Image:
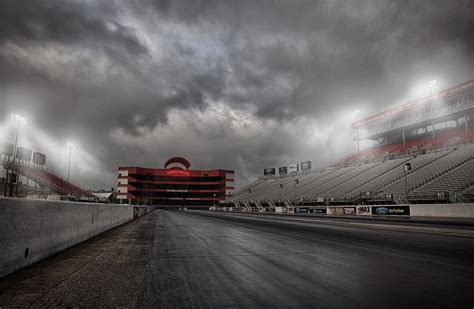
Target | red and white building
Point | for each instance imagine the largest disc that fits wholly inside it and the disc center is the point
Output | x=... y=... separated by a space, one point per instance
x=441 y=119
x=175 y=184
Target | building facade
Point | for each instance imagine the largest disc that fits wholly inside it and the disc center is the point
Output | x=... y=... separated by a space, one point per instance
x=440 y=119
x=175 y=184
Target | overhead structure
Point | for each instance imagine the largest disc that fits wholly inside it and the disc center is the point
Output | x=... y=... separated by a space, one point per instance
x=442 y=118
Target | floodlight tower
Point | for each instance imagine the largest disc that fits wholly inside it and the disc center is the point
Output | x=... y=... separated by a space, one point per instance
x=71 y=147
x=19 y=120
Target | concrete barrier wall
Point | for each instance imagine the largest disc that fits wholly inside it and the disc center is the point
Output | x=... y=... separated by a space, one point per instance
x=405 y=210
x=442 y=210
x=31 y=230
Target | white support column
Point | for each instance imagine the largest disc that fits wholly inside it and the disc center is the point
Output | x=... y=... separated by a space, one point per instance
x=465 y=124
x=403 y=137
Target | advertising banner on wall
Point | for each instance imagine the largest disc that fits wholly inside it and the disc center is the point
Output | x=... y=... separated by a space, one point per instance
x=6 y=148
x=39 y=158
x=335 y=210
x=301 y=210
x=283 y=170
x=292 y=168
x=363 y=211
x=23 y=153
x=319 y=210
x=341 y=210
x=350 y=211
x=269 y=171
x=306 y=165
x=391 y=210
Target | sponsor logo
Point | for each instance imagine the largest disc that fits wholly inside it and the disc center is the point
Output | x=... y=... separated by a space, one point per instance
x=381 y=211
x=391 y=210
x=363 y=210
x=293 y=168
x=349 y=211
x=269 y=171
x=177 y=173
x=306 y=165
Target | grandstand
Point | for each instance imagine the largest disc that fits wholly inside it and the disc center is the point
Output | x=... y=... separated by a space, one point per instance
x=46 y=179
x=433 y=136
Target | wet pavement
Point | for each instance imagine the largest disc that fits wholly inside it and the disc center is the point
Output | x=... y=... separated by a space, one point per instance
x=174 y=259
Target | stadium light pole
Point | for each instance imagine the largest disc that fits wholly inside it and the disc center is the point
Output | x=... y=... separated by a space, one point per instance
x=19 y=120
x=71 y=147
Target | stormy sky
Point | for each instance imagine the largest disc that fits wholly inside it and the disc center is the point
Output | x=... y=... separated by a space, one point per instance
x=228 y=84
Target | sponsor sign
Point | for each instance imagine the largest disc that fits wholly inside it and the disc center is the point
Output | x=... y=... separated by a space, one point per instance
x=6 y=148
x=335 y=210
x=23 y=153
x=350 y=211
x=283 y=170
x=301 y=210
x=269 y=171
x=363 y=211
x=391 y=210
x=176 y=172
x=39 y=158
x=292 y=168
x=321 y=210
x=306 y=165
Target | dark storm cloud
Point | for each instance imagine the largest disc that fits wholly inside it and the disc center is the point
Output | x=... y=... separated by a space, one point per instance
x=72 y=23
x=232 y=84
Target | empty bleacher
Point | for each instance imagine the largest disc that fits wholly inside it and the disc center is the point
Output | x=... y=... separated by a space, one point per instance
x=443 y=170
x=431 y=170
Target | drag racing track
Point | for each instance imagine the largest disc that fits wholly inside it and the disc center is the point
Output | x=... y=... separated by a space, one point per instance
x=183 y=259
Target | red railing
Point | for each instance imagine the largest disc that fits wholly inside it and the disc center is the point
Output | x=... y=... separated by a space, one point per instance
x=49 y=179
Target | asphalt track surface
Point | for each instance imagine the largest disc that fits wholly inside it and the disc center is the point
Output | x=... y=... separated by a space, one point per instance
x=173 y=259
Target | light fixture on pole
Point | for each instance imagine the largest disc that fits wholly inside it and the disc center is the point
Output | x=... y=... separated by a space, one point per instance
x=430 y=85
x=71 y=147
x=19 y=120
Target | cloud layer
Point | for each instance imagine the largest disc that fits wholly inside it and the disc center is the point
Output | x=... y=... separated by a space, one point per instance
x=239 y=85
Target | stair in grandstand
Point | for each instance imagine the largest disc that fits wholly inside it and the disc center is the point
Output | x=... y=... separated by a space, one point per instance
x=466 y=195
x=314 y=180
x=49 y=180
x=455 y=180
x=245 y=189
x=291 y=190
x=362 y=182
x=323 y=190
x=430 y=171
x=374 y=189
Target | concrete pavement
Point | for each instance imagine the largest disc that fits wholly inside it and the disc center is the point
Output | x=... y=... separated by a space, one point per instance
x=174 y=259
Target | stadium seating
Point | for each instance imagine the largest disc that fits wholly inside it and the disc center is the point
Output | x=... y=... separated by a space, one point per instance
x=432 y=173
x=50 y=180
